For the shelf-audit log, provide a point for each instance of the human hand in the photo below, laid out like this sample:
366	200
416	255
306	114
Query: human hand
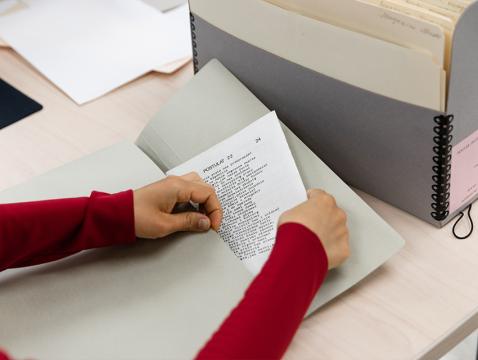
153	206
321	215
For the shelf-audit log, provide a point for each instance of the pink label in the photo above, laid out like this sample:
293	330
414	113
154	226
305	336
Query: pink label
464	172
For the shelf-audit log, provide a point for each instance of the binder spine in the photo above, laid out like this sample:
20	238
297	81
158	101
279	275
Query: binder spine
194	43
442	168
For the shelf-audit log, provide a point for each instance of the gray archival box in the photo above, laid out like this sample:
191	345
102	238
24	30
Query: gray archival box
377	144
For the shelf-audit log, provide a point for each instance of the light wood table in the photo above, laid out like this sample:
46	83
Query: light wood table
418	305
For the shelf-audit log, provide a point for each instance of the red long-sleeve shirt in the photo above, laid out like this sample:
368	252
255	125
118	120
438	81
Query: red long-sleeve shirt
260	327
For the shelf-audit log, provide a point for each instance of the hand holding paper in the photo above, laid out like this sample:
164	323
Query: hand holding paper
154	207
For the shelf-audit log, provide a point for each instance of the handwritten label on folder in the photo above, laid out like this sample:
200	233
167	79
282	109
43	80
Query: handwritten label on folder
464	172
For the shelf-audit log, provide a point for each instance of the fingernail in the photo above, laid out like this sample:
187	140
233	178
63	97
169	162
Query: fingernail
204	224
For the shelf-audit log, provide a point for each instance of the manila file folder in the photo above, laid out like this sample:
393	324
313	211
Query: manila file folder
164	297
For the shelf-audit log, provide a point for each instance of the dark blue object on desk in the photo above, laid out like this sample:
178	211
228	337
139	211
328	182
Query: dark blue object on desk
14	105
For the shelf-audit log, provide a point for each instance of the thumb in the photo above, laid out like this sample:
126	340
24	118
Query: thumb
189	221
314	193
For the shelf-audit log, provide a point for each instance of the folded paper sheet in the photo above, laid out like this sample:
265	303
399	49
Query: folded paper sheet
248	171
88	48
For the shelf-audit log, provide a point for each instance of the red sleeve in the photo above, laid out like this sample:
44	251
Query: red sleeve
37	232
265	321
3	355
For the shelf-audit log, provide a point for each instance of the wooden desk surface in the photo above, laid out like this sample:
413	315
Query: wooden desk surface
418	305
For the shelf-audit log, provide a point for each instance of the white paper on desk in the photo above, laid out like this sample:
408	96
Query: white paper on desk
90	47
251	171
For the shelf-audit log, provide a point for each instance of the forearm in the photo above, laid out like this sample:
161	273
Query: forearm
42	231
265	321
3	355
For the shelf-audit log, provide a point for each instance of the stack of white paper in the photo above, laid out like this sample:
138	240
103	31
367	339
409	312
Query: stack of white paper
90	47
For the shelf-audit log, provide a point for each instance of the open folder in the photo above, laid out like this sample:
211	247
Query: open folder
164	297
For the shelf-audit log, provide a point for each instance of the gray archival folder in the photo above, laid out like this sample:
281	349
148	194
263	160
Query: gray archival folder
160	299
